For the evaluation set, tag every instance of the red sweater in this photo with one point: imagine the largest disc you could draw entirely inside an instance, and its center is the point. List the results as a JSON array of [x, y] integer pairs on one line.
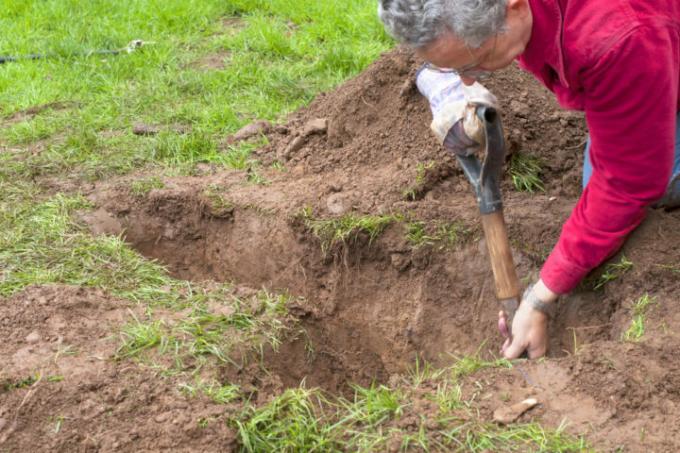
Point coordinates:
[[619, 62]]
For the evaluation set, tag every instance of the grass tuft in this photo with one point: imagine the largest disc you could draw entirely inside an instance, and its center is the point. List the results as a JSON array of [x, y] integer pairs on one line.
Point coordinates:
[[613, 271], [292, 422], [217, 327], [416, 191], [446, 234], [220, 394], [381, 418], [332, 232], [525, 171], [637, 325], [219, 205], [142, 187]]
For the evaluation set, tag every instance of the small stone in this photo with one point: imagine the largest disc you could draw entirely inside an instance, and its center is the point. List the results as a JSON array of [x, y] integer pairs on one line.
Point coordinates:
[[3, 423], [160, 418], [508, 414], [33, 337], [520, 108], [336, 204], [399, 261]]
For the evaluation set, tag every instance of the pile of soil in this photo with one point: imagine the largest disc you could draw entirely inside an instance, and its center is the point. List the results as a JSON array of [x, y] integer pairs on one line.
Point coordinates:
[[374, 305]]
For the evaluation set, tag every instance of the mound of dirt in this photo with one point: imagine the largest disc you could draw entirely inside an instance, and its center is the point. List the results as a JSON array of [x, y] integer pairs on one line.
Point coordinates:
[[422, 286]]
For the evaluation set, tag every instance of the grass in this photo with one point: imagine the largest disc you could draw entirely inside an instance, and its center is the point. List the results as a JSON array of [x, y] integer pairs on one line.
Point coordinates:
[[10, 385], [525, 171], [141, 187], [445, 234], [220, 394], [292, 422], [332, 232], [218, 204], [636, 330], [415, 191], [380, 418], [278, 56], [218, 331], [612, 272]]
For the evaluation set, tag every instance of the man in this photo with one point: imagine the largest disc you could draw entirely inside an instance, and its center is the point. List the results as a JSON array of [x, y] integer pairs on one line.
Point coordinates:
[[616, 60]]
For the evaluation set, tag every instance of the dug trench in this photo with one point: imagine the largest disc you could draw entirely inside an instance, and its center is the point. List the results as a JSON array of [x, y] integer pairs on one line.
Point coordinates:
[[374, 304], [369, 307], [419, 285]]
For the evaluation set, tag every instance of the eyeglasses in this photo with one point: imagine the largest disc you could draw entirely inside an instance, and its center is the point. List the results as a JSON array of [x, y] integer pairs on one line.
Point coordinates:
[[466, 71], [470, 70]]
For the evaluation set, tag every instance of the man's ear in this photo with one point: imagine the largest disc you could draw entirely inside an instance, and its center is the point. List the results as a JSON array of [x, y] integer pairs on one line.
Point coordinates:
[[518, 8]]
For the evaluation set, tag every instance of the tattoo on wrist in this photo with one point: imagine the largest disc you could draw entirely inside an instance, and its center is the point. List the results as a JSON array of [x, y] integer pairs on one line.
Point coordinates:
[[547, 308]]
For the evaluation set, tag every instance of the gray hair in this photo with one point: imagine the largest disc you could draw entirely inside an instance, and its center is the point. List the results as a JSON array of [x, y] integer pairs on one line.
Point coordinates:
[[420, 22]]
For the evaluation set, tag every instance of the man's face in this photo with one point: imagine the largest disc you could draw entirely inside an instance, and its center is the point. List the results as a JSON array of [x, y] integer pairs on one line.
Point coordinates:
[[497, 52]]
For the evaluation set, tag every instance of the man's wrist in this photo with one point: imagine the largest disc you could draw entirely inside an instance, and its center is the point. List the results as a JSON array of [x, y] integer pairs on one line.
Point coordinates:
[[543, 293], [532, 300]]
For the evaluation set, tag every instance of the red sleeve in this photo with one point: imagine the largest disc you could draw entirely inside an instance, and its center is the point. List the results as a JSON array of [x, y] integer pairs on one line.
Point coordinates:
[[631, 103]]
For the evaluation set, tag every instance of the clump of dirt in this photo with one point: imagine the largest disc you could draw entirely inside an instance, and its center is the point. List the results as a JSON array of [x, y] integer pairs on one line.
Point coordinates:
[[420, 288]]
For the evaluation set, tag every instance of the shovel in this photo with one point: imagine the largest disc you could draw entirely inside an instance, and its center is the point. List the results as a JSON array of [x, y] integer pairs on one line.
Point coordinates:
[[485, 179]]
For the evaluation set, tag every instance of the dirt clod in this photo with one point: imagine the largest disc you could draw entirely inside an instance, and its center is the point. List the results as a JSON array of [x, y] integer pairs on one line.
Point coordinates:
[[254, 129], [315, 126]]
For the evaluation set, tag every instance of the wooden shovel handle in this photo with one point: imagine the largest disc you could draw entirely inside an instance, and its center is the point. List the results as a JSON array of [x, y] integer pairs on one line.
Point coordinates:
[[502, 264]]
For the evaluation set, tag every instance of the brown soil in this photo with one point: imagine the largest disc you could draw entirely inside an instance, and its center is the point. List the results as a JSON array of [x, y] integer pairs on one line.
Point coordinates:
[[371, 307], [57, 348]]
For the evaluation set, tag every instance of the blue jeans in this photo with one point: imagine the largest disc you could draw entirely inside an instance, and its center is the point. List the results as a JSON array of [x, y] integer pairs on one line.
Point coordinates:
[[674, 184]]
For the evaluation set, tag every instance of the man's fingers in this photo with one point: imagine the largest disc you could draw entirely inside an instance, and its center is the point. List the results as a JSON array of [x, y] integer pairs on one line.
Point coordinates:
[[535, 353], [503, 325], [505, 345], [515, 350]]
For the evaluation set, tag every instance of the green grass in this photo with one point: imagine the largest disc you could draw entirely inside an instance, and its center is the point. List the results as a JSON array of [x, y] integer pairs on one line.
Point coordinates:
[[525, 171], [10, 385], [415, 191], [141, 187], [331, 232], [220, 394], [612, 272], [217, 202], [216, 332], [636, 330], [278, 55], [380, 418], [444, 234]]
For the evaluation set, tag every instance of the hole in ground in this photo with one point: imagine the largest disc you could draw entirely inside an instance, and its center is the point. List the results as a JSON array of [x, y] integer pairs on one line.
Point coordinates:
[[368, 314]]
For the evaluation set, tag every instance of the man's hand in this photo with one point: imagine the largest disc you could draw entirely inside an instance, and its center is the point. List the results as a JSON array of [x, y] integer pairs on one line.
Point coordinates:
[[453, 105], [529, 327]]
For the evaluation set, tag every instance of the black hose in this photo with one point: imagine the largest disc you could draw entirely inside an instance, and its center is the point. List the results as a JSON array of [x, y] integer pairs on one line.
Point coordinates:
[[134, 45]]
